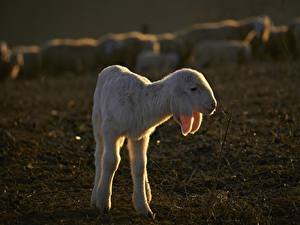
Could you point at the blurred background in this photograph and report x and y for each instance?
(34, 21)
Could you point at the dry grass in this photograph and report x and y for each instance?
(243, 170)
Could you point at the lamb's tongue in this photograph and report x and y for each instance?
(197, 122)
(186, 124)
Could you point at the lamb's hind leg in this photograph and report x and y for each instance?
(110, 162)
(98, 155)
(138, 160)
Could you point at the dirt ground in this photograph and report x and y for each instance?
(248, 175)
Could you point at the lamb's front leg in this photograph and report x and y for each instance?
(110, 162)
(138, 160)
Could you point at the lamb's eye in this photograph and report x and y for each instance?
(194, 89)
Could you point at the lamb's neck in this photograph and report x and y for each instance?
(157, 103)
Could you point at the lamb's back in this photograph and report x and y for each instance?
(119, 92)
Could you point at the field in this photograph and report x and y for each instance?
(242, 167)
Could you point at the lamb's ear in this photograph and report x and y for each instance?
(197, 122)
(181, 109)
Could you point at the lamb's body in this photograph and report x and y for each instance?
(127, 105)
(128, 102)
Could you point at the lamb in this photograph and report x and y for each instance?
(127, 105)
(124, 48)
(153, 65)
(218, 52)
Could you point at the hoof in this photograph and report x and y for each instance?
(103, 205)
(146, 213)
(151, 215)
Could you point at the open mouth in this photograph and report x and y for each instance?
(189, 124)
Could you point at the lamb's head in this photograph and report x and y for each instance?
(191, 95)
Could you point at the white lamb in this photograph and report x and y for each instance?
(127, 105)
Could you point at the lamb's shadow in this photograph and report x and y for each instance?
(62, 215)
(76, 215)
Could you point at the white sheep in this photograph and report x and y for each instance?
(155, 65)
(127, 105)
(69, 55)
(124, 48)
(227, 30)
(209, 53)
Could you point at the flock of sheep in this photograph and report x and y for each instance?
(197, 46)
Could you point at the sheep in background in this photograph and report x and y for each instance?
(227, 30)
(4, 60)
(171, 43)
(294, 36)
(155, 65)
(218, 52)
(261, 27)
(127, 105)
(124, 48)
(222, 30)
(69, 55)
(109, 50)
(25, 62)
(278, 45)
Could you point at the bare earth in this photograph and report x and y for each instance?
(248, 175)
